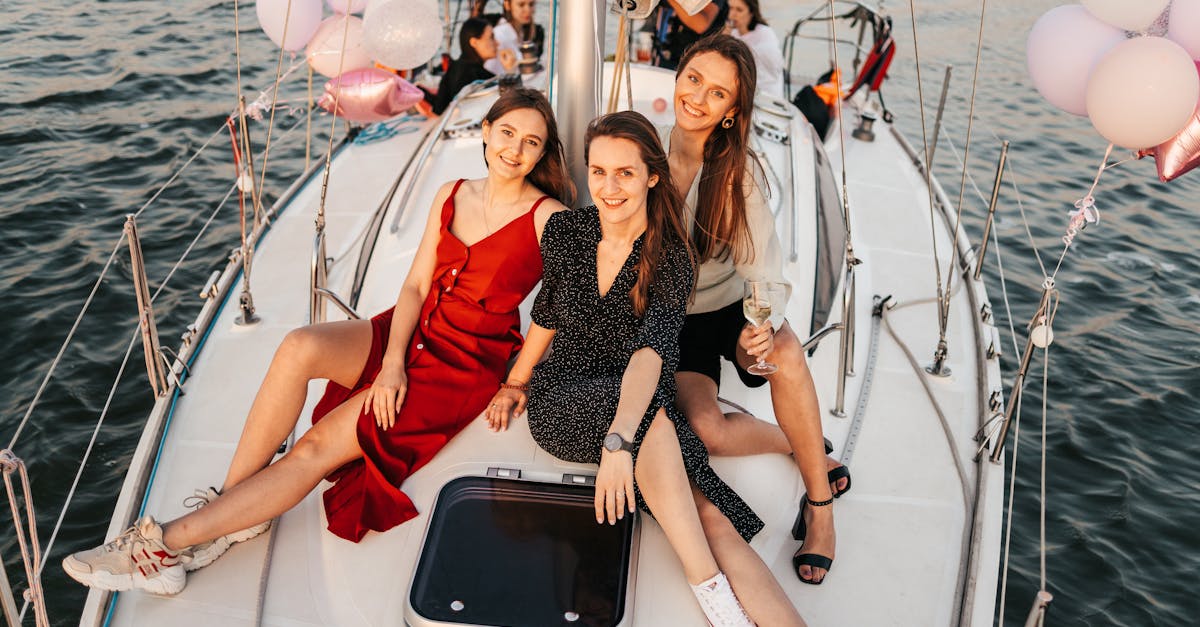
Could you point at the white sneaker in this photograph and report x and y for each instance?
(206, 553)
(720, 605)
(135, 559)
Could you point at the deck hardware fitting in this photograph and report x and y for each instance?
(504, 473)
(573, 479)
(150, 345)
(991, 215)
(1043, 312)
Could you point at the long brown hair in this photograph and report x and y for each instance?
(719, 233)
(664, 203)
(549, 174)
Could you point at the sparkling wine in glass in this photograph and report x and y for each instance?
(756, 306)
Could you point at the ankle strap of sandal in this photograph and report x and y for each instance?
(828, 501)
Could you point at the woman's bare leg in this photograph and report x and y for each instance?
(794, 398)
(734, 433)
(275, 489)
(723, 434)
(753, 583)
(663, 481)
(334, 350)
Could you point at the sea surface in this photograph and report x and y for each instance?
(103, 101)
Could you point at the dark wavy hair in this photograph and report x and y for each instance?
(549, 174)
(472, 28)
(718, 235)
(664, 203)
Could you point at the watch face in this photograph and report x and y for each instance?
(612, 442)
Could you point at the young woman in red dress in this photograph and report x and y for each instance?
(401, 384)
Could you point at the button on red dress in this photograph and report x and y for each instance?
(468, 330)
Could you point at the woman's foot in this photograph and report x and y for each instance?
(839, 477)
(814, 528)
(720, 605)
(135, 559)
(206, 553)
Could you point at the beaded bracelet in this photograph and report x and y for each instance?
(519, 387)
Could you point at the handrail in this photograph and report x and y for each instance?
(430, 142)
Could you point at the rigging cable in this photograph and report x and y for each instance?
(944, 305)
(937, 265)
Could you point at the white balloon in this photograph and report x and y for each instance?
(1133, 15)
(1063, 46)
(300, 22)
(402, 33)
(346, 7)
(1184, 26)
(324, 52)
(1142, 92)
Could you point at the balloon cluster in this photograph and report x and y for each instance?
(395, 33)
(1132, 67)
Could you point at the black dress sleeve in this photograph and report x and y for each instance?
(554, 248)
(667, 308)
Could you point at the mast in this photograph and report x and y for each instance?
(582, 22)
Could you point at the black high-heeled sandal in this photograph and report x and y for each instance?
(799, 531)
(837, 474)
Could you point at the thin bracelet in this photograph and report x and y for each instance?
(520, 387)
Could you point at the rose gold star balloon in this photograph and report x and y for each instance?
(369, 95)
(1180, 153)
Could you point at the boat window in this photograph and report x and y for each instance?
(506, 552)
(831, 238)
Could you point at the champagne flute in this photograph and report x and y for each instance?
(757, 300)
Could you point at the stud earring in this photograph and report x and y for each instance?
(727, 123)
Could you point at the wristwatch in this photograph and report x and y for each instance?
(613, 442)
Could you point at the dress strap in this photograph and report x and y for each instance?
(537, 204)
(449, 204)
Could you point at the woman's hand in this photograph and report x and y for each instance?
(386, 395)
(506, 404)
(614, 486)
(758, 342)
(507, 59)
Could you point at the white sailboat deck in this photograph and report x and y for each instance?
(900, 529)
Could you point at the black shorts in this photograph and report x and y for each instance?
(709, 336)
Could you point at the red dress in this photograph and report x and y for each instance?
(468, 330)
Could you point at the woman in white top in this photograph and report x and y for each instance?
(517, 26)
(735, 239)
(746, 23)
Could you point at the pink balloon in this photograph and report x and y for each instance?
(1063, 47)
(346, 7)
(369, 95)
(300, 21)
(324, 52)
(1184, 25)
(1181, 153)
(1142, 92)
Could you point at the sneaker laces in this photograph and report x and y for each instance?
(126, 537)
(197, 500)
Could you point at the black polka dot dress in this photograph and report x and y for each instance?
(573, 395)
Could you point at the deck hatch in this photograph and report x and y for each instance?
(507, 552)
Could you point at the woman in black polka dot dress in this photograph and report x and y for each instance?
(616, 282)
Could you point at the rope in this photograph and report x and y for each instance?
(31, 554)
(258, 189)
(945, 423)
(937, 264)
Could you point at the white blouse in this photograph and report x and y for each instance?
(768, 56)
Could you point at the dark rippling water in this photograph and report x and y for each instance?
(104, 101)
